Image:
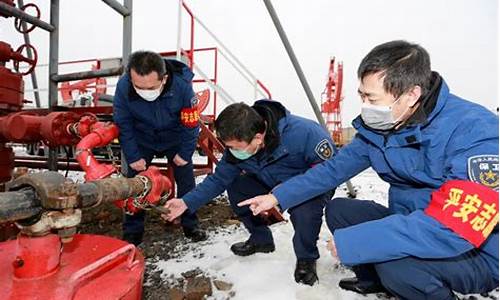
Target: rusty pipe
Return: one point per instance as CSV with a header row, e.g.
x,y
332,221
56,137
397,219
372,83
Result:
x,y
26,203
108,190
18,205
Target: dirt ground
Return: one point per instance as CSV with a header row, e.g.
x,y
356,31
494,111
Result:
x,y
159,242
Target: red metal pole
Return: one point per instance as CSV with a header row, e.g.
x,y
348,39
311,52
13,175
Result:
x,y
191,51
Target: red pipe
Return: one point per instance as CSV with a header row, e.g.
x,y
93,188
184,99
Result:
x,y
22,127
101,134
265,89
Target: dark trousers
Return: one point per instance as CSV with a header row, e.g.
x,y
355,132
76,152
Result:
x,y
306,218
411,277
184,180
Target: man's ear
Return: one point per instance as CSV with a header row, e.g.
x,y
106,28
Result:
x,y
260,137
414,95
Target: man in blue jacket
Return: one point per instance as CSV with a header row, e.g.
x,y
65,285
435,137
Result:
x,y
154,107
439,153
266,145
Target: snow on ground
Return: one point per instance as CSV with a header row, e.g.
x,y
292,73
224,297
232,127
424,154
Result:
x,y
270,276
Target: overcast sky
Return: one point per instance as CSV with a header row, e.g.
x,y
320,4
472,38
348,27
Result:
x,y
460,35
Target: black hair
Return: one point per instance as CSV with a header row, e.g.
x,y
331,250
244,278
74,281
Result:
x,y
403,64
239,121
145,62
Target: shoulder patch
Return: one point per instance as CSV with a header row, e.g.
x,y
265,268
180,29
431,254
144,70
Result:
x,y
324,149
194,101
483,169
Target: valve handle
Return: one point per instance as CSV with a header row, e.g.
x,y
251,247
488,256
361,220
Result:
x,y
18,22
19,57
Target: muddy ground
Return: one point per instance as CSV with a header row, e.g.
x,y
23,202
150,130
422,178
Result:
x,y
159,242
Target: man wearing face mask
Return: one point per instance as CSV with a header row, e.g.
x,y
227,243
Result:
x,y
150,106
439,153
266,145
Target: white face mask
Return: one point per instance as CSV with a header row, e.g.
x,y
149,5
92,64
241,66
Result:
x,y
380,117
149,95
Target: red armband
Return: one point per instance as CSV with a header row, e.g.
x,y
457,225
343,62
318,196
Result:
x,y
468,208
190,117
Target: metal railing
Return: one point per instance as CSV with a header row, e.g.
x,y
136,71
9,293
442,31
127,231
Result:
x,y
258,86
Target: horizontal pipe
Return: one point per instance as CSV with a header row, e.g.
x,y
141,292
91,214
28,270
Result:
x,y
87,74
108,190
24,204
16,12
18,205
117,7
40,162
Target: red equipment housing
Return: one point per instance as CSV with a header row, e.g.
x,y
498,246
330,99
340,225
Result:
x,y
88,267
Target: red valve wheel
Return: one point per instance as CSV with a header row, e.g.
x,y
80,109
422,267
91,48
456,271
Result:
x,y
19,24
31,62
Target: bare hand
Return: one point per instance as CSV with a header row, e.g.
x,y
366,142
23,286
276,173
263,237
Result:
x,y
139,165
178,161
330,245
260,203
176,207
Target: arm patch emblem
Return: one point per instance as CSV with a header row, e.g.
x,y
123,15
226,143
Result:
x,y
194,101
324,149
483,169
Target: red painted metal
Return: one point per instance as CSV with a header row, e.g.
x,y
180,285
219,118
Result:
x,y
203,99
265,89
11,90
6,163
98,85
191,50
36,256
26,127
18,22
22,127
54,128
331,101
88,267
161,186
11,84
216,63
18,57
101,134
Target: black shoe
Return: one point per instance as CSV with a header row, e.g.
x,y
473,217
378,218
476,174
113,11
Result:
x,y
195,234
361,287
305,272
249,248
132,238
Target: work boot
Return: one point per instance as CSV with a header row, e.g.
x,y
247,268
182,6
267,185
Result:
x,y
133,237
249,248
195,234
362,287
305,272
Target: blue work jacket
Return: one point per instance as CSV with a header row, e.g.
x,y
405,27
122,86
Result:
x,y
303,143
415,161
156,125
